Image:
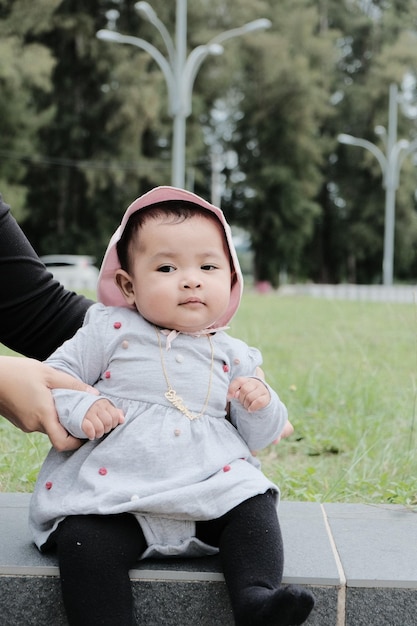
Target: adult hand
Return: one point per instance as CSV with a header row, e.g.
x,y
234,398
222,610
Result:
x,y
26,399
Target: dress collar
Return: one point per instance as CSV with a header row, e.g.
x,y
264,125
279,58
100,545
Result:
x,y
173,334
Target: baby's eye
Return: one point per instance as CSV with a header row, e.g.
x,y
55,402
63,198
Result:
x,y
166,268
208,267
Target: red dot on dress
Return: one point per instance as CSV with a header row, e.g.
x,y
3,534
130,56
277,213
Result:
x,y
102,471
227,468
107,374
117,324
48,485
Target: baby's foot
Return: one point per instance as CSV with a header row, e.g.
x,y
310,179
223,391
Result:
x,y
289,605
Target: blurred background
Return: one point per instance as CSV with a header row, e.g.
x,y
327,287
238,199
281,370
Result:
x,y
297,117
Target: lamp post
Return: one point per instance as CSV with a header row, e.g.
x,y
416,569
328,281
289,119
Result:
x,y
390,162
179,70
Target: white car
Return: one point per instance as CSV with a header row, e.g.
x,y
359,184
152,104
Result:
x,y
73,271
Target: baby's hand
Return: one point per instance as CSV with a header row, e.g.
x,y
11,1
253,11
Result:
x,y
251,393
101,418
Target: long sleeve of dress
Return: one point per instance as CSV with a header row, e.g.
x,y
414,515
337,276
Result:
x,y
260,428
83,357
36,313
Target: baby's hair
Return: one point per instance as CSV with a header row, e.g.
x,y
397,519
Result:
x,y
175,211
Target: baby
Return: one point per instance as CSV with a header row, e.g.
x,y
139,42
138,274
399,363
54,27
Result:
x,y
166,468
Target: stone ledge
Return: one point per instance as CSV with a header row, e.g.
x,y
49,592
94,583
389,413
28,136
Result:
x,y
359,560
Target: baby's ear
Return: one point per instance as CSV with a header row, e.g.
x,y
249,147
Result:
x,y
125,284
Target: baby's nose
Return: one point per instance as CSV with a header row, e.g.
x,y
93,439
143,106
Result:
x,y
191,282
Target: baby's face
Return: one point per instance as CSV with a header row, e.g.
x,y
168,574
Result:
x,y
181,276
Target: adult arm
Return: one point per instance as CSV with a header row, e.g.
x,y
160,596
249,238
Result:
x,y
36,313
36,316
26,399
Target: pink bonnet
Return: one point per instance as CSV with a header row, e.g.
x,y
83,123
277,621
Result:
x,y
107,290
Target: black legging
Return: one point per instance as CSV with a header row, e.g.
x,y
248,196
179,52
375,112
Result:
x,y
96,552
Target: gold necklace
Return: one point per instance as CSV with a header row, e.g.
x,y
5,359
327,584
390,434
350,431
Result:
x,y
171,394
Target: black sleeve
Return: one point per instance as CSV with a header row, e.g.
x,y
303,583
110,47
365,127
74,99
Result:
x,y
36,313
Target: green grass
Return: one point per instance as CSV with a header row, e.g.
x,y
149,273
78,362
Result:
x,y
347,372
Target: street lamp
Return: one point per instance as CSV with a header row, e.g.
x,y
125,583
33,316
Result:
x,y
179,71
390,162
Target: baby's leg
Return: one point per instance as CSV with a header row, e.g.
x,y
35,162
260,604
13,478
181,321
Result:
x,y
252,556
95,554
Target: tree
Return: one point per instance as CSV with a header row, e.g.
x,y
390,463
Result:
x,y
25,69
85,126
89,165
109,139
375,49
285,100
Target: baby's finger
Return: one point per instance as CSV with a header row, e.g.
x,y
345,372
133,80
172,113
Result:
x,y
117,417
89,428
235,387
254,395
258,403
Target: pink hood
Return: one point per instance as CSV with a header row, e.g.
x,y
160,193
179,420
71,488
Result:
x,y
107,290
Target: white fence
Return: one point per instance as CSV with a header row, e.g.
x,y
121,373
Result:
x,y
368,293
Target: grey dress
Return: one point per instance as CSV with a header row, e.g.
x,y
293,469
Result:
x,y
166,469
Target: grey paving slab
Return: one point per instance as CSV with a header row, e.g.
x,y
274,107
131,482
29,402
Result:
x,y
381,607
309,555
30,601
18,555
182,604
170,592
377,545
309,558
325,612
208,604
